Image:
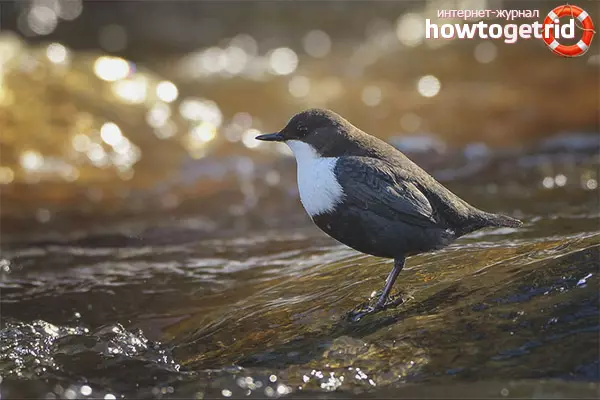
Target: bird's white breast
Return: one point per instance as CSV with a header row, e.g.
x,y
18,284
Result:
x,y
319,189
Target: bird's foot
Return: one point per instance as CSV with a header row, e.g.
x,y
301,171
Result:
x,y
372,307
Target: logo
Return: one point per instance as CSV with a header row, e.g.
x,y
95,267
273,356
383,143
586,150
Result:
x,y
551,32
551,24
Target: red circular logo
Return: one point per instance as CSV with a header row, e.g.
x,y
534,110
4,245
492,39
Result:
x,y
580,15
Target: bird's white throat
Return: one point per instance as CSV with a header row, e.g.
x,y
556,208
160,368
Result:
x,y
319,189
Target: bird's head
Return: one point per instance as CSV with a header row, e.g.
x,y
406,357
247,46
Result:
x,y
320,131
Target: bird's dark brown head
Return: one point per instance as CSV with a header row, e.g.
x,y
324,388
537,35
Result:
x,y
325,131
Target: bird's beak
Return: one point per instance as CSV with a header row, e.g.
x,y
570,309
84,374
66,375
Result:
x,y
271,137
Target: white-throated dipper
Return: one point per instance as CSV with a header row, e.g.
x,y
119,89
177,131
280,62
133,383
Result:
x,y
366,194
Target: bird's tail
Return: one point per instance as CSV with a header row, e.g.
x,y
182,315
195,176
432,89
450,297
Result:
x,y
502,220
484,219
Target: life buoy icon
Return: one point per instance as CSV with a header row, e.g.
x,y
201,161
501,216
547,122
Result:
x,y
580,47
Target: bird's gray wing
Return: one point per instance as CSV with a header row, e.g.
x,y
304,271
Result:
x,y
370,184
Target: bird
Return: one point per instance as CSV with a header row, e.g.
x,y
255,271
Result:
x,y
368,195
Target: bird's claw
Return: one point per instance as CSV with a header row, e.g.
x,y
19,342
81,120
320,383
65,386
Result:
x,y
362,311
356,315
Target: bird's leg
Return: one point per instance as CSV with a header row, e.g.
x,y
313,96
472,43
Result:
x,y
382,302
389,283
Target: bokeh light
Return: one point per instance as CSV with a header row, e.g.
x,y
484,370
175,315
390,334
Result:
x,y
410,29
410,122
31,160
167,91
548,182
249,138
158,115
485,52
111,68
246,43
111,133
283,61
70,10
167,130
299,86
204,132
6,175
317,43
57,53
195,109
97,155
213,60
428,86
133,91
81,143
560,180
371,95
42,20
235,60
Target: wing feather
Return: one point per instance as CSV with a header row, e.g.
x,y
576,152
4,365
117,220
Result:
x,y
370,184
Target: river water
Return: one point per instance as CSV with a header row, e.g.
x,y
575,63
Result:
x,y
176,311
151,248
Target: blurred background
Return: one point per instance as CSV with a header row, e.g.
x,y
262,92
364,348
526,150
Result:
x,y
127,109
152,248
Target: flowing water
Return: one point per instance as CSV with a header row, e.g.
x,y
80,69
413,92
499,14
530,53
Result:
x,y
152,248
179,312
